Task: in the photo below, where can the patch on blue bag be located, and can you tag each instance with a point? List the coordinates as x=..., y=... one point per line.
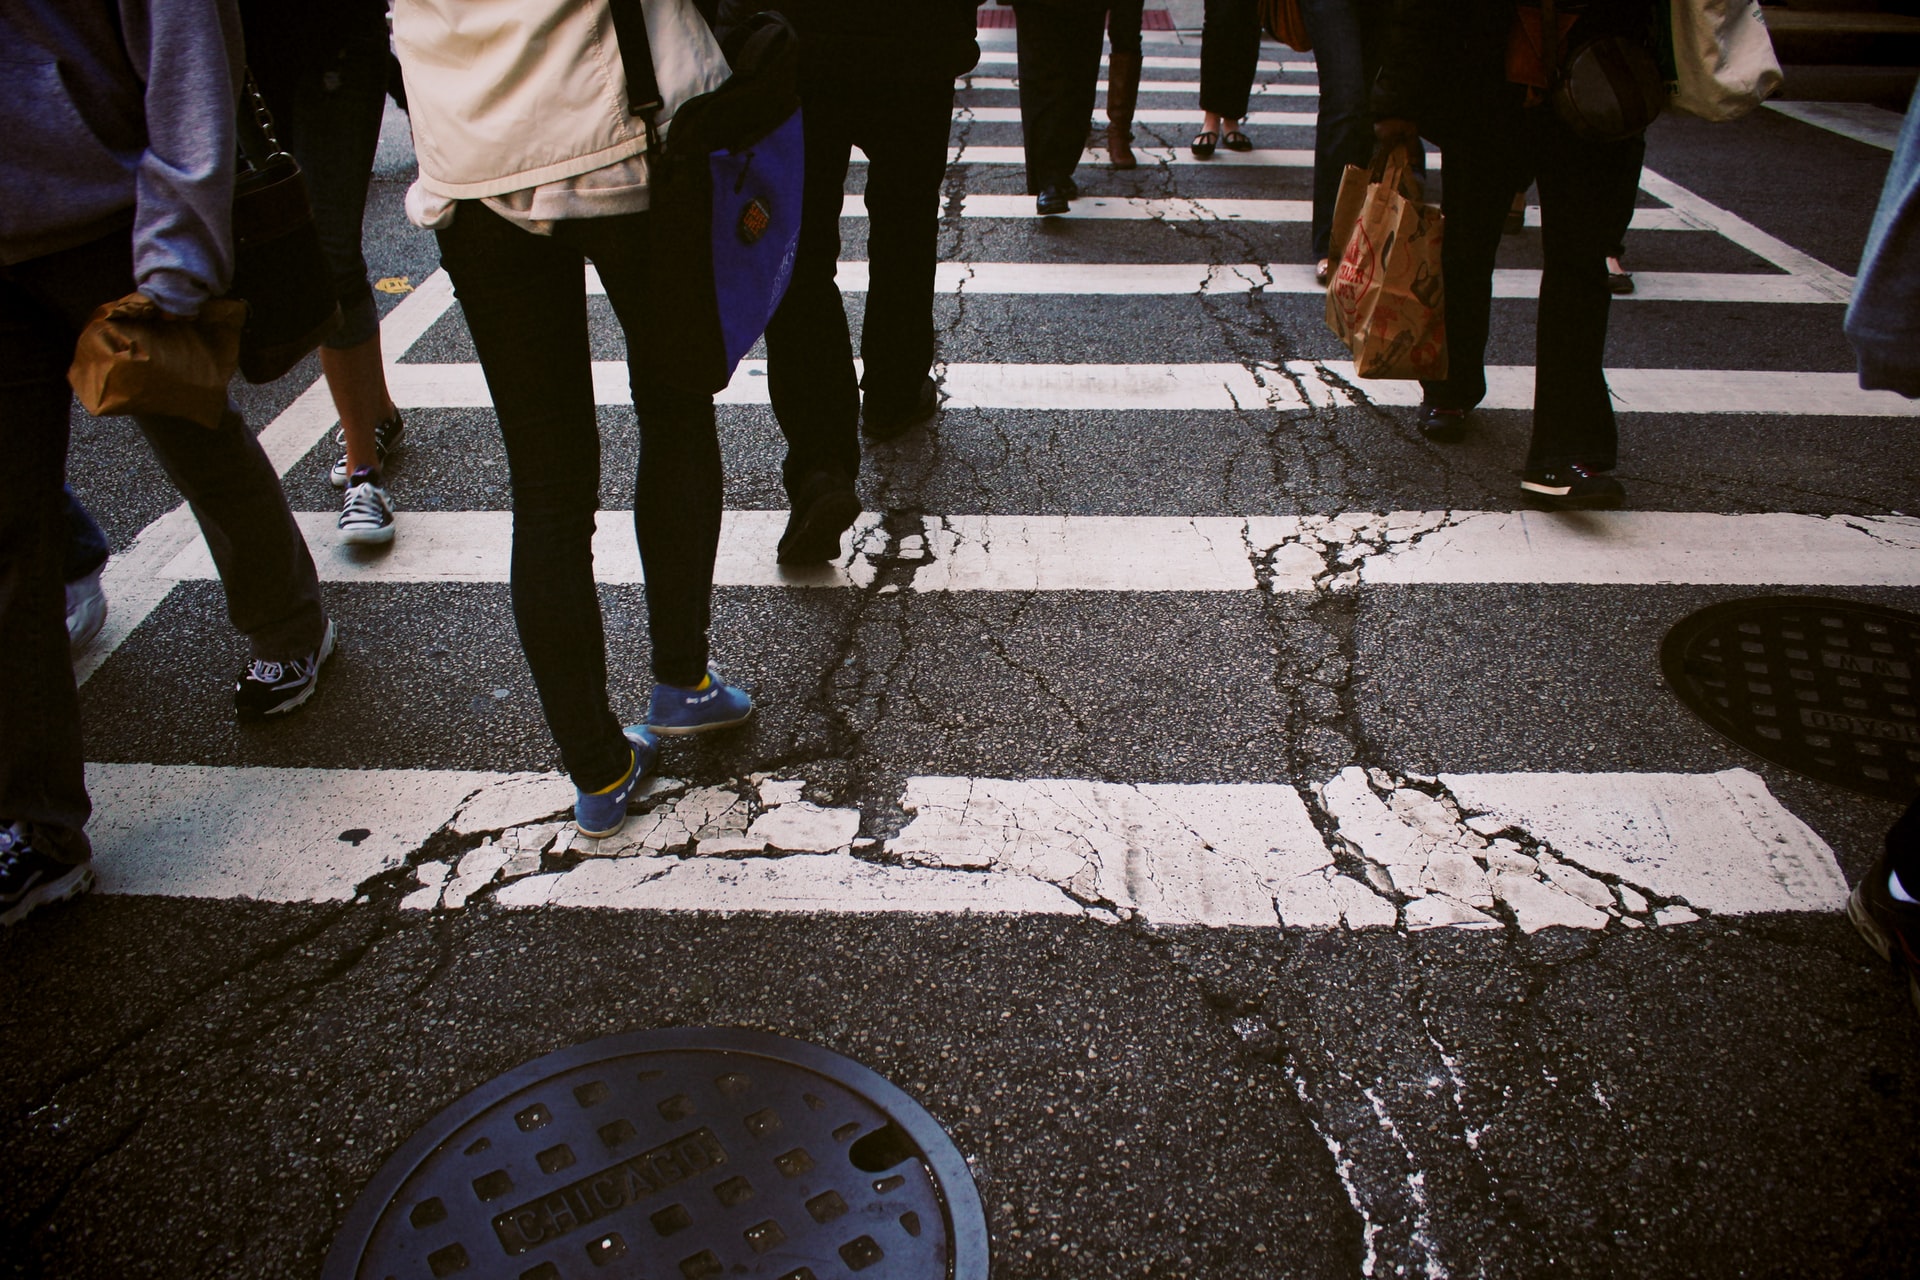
x=754, y=221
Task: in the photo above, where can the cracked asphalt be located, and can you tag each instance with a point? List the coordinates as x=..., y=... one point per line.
x=200, y=1087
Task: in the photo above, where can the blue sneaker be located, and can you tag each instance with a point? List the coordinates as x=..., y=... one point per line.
x=715, y=705
x=601, y=813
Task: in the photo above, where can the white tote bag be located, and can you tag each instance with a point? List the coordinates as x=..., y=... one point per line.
x=1724, y=58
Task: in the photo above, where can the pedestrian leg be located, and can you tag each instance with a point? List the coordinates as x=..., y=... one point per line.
x=524, y=298
x=907, y=165
x=676, y=492
x=1581, y=188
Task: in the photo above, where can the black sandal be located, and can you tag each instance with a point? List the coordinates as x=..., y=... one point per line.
x=1203, y=143
x=1237, y=141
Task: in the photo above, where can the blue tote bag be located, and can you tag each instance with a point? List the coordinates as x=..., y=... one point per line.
x=724, y=200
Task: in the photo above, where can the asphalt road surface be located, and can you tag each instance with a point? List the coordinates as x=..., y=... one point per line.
x=1266, y=847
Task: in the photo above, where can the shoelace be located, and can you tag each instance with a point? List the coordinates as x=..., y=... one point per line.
x=265, y=672
x=363, y=505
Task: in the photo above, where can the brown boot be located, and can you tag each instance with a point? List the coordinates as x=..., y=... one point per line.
x=1123, y=90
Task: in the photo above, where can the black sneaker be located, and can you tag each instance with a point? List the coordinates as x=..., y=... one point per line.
x=31, y=878
x=1571, y=486
x=826, y=507
x=386, y=438
x=269, y=688
x=1891, y=927
x=884, y=421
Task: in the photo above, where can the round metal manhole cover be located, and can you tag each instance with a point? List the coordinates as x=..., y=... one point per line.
x=1828, y=688
x=673, y=1155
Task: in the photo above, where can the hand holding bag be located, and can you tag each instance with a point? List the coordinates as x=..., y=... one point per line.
x=1722, y=57
x=1386, y=301
x=724, y=200
x=133, y=358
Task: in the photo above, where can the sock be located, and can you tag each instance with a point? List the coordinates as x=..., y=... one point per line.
x=613, y=786
x=1899, y=890
x=706, y=682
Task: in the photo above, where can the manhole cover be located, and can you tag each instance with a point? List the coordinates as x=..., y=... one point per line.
x=673, y=1155
x=1824, y=687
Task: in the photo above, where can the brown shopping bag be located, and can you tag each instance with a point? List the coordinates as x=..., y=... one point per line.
x=1346, y=207
x=132, y=359
x=1385, y=301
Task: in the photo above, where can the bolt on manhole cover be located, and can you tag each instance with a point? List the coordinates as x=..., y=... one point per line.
x=1824, y=687
x=673, y=1155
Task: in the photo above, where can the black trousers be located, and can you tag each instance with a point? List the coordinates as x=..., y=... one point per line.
x=903, y=129
x=1582, y=187
x=1059, y=62
x=1229, y=56
x=525, y=301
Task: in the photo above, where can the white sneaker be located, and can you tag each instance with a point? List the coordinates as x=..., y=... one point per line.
x=86, y=611
x=366, y=519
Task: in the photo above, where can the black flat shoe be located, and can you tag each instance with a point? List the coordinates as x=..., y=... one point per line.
x=826, y=507
x=1237, y=141
x=1053, y=200
x=1442, y=425
x=1203, y=143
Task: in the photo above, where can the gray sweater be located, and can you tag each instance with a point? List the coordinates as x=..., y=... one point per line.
x=120, y=113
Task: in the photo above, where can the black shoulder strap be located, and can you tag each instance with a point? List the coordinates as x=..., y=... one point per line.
x=636, y=55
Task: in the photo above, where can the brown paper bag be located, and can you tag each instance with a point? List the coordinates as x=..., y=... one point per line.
x=1346, y=208
x=132, y=359
x=1385, y=301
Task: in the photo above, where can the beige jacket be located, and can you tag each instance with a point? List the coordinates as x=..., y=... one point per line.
x=508, y=94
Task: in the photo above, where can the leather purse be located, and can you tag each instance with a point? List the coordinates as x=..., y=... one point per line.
x=1604, y=88
x=1283, y=21
x=279, y=269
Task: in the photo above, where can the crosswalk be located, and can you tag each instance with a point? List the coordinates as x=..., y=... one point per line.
x=1343, y=845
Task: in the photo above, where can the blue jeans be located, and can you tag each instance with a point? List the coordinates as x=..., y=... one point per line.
x=525, y=300
x=87, y=547
x=273, y=594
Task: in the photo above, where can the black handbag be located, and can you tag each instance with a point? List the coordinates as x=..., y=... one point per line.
x=1605, y=88
x=724, y=196
x=279, y=270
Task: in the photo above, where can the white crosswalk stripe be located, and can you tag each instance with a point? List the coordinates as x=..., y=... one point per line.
x=1225, y=387
x=1212, y=854
x=1188, y=553
x=1465, y=850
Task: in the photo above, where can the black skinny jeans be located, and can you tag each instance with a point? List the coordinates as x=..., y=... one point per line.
x=525, y=300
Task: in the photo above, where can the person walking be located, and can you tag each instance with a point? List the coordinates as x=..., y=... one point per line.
x=118, y=176
x=1444, y=76
x=531, y=165
x=1059, y=65
x=1229, y=57
x=322, y=69
x=873, y=78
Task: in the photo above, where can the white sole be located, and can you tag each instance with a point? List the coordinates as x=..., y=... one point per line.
x=326, y=651
x=71, y=885
x=682, y=731
x=368, y=537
